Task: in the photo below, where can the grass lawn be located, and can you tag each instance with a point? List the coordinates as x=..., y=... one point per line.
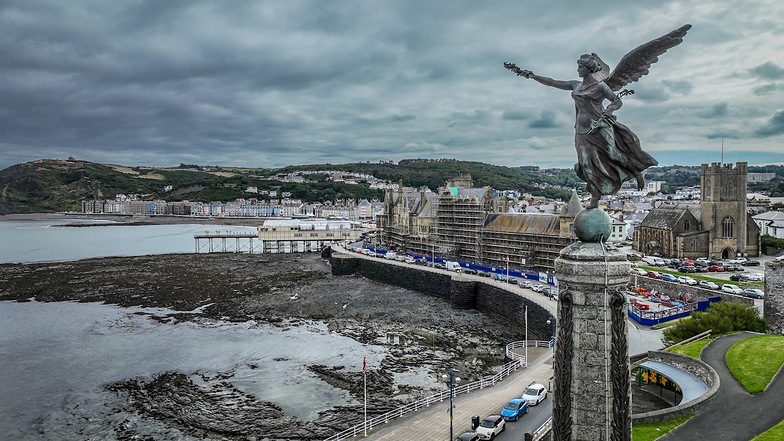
x=693, y=349
x=755, y=360
x=652, y=431
x=776, y=433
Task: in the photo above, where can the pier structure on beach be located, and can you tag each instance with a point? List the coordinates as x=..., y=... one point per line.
x=280, y=236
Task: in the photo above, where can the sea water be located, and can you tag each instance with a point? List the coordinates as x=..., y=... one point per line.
x=55, y=357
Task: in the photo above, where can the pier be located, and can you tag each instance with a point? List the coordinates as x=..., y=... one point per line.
x=228, y=242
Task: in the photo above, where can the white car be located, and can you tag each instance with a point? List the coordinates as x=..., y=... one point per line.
x=780, y=258
x=732, y=289
x=534, y=394
x=638, y=271
x=491, y=426
x=754, y=277
x=708, y=284
x=686, y=280
x=738, y=261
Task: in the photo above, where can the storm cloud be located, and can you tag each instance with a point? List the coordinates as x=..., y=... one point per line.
x=271, y=83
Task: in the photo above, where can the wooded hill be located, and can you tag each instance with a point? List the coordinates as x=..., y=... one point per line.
x=62, y=185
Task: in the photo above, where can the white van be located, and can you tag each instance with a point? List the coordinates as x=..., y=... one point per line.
x=452, y=266
x=654, y=261
x=390, y=255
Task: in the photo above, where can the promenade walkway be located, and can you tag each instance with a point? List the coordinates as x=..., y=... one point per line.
x=432, y=424
x=734, y=415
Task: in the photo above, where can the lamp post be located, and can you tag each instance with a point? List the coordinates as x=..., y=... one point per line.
x=451, y=378
x=553, y=323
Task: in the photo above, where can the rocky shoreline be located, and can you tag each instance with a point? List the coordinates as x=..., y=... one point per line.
x=418, y=330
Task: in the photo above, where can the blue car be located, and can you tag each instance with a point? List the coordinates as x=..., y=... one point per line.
x=514, y=409
x=668, y=277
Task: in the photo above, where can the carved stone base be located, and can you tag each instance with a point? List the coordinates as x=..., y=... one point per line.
x=592, y=388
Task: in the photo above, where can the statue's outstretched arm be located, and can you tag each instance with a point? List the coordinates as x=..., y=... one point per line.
x=558, y=84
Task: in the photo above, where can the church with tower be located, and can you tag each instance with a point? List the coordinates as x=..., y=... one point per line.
x=717, y=227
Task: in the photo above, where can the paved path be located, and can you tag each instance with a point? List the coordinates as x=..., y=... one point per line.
x=433, y=423
x=734, y=415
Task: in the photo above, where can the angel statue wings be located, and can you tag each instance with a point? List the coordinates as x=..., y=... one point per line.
x=608, y=153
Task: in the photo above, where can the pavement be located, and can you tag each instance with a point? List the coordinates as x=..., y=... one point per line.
x=734, y=414
x=432, y=424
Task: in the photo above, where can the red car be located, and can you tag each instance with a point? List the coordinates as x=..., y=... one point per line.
x=654, y=275
x=716, y=269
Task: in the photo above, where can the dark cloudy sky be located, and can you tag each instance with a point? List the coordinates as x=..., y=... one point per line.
x=271, y=83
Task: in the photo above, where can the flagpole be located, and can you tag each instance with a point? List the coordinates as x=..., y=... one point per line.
x=526, y=335
x=364, y=376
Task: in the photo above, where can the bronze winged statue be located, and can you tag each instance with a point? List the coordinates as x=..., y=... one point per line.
x=608, y=152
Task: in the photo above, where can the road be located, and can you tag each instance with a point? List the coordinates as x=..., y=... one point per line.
x=534, y=419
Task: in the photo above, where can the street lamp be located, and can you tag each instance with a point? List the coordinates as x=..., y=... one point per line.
x=451, y=378
x=553, y=323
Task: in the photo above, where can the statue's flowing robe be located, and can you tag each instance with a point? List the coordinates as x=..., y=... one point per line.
x=608, y=153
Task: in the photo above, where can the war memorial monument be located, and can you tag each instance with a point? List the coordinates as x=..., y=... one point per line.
x=592, y=397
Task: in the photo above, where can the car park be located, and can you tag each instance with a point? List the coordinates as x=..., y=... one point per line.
x=668, y=277
x=468, y=436
x=708, y=284
x=731, y=289
x=514, y=409
x=638, y=272
x=491, y=426
x=534, y=394
x=754, y=293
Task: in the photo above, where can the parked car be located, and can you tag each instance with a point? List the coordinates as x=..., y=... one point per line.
x=780, y=258
x=491, y=426
x=716, y=269
x=734, y=267
x=668, y=277
x=468, y=436
x=737, y=277
x=738, y=261
x=484, y=274
x=708, y=284
x=535, y=393
x=514, y=409
x=653, y=275
x=470, y=271
x=731, y=289
x=526, y=284
x=638, y=271
x=686, y=280
x=513, y=280
x=754, y=293
x=755, y=277
x=537, y=288
x=687, y=269
x=752, y=263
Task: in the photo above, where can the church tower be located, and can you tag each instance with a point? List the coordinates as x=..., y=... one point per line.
x=723, y=210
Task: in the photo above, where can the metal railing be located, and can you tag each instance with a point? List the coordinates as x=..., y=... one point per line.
x=423, y=403
x=512, y=355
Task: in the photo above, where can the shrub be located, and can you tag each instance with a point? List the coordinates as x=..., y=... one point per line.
x=720, y=318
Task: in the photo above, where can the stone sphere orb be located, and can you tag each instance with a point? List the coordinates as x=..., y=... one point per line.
x=593, y=225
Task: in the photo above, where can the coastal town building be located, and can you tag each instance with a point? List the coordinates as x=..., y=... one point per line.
x=475, y=224
x=718, y=226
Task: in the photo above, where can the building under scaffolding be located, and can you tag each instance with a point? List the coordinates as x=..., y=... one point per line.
x=472, y=224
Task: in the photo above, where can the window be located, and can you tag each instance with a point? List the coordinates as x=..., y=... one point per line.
x=727, y=190
x=687, y=225
x=727, y=227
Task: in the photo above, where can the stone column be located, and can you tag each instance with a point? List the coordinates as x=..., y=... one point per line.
x=592, y=381
x=774, y=297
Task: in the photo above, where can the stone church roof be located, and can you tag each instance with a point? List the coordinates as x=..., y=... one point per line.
x=573, y=207
x=524, y=223
x=664, y=218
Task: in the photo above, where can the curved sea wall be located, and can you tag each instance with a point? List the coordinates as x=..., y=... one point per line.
x=505, y=303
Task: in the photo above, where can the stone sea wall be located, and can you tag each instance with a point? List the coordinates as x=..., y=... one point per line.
x=461, y=292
